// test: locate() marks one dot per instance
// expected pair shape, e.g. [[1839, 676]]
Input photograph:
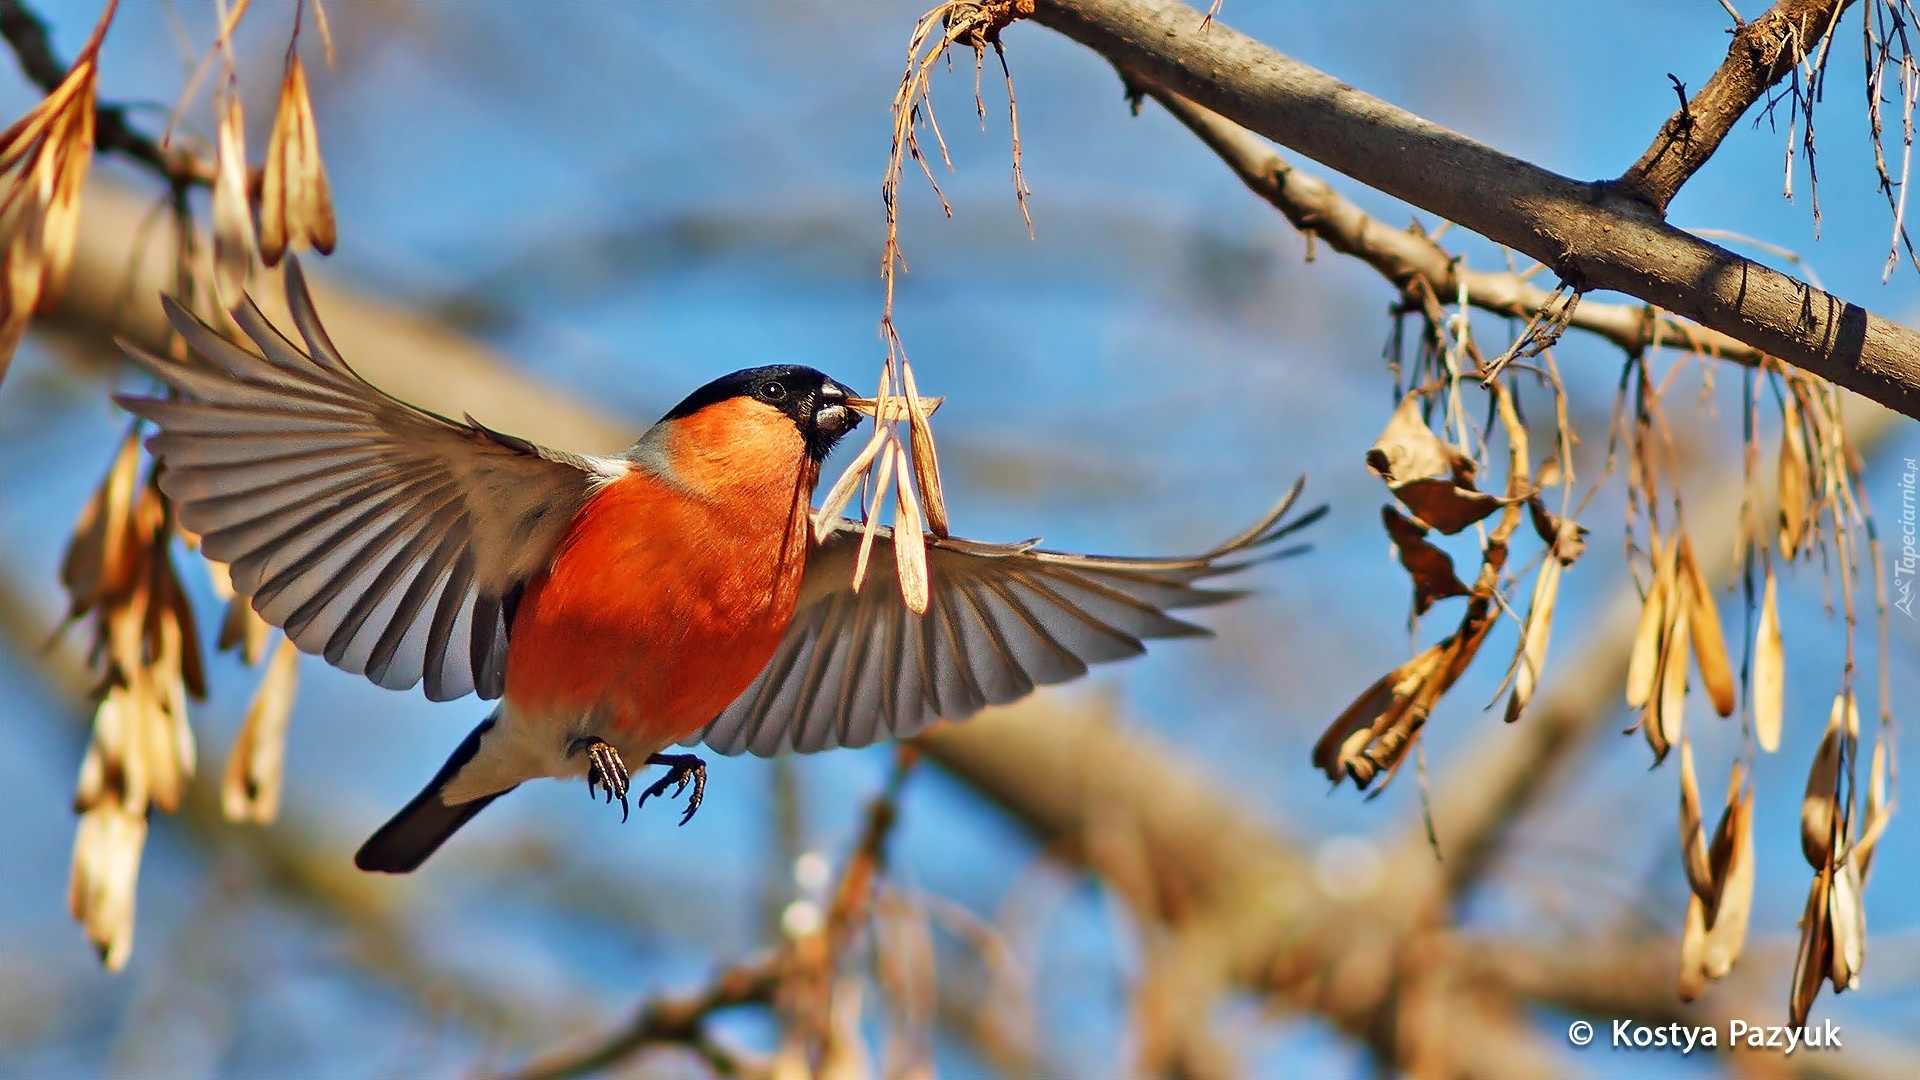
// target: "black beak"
[[832, 418]]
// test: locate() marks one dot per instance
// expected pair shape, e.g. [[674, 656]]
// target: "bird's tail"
[[418, 830]]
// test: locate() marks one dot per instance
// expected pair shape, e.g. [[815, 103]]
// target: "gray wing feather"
[[1001, 620], [381, 536]]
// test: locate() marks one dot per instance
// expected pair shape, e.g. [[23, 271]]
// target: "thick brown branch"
[[1404, 257], [1593, 235], [1762, 53]]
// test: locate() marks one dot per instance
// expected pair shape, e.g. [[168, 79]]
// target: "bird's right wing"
[[857, 667], [386, 538]]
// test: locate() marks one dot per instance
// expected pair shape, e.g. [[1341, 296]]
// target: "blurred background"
[[630, 199]]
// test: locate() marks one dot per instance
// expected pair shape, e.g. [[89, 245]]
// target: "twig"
[[1763, 52], [679, 1021]]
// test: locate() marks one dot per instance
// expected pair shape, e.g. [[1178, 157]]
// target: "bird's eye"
[[773, 391]]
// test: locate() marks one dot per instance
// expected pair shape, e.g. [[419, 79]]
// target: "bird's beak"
[[834, 417]]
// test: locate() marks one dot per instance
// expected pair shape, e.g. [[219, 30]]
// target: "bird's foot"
[[682, 769], [606, 770]]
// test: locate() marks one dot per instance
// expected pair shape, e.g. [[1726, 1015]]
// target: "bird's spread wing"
[[1001, 619], [386, 538]]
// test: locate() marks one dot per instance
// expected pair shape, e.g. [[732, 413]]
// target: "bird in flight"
[[673, 593]]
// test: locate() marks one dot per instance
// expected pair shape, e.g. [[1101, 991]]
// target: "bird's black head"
[[815, 403]]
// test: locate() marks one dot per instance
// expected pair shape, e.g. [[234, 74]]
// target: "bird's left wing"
[[855, 668], [386, 538]]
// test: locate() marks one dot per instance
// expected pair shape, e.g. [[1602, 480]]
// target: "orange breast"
[[663, 603]]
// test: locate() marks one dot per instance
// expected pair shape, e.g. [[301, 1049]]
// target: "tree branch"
[[1404, 257], [1762, 53], [678, 1020], [1593, 235]]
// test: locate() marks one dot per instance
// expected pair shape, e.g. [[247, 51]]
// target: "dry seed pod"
[[1878, 809], [105, 872], [241, 628], [1643, 664], [1847, 915], [827, 518], [250, 787], [1693, 837], [897, 407], [909, 545], [1703, 622], [926, 462], [95, 563], [1769, 671], [1813, 961], [1795, 478], [1672, 704], [1532, 658], [1693, 949], [881, 480], [296, 205], [1732, 861], [1820, 805], [232, 221]]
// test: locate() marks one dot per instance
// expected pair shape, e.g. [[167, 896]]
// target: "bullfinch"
[[673, 593]]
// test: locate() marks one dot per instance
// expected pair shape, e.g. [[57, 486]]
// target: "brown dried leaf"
[[1445, 505], [232, 221], [1431, 568], [1409, 450], [909, 544], [1376, 709], [1693, 837], [1769, 670], [250, 787], [1820, 805], [1703, 625], [1532, 657], [296, 204], [1564, 537], [1795, 479], [1643, 664], [1732, 860]]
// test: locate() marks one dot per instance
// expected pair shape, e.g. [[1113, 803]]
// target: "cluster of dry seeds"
[[119, 567]]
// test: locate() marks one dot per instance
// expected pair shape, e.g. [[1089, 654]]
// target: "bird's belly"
[[653, 619]]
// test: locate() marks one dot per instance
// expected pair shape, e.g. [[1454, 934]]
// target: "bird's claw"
[[682, 769], [606, 770]]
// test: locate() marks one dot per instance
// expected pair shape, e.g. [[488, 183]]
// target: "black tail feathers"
[[418, 830]]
